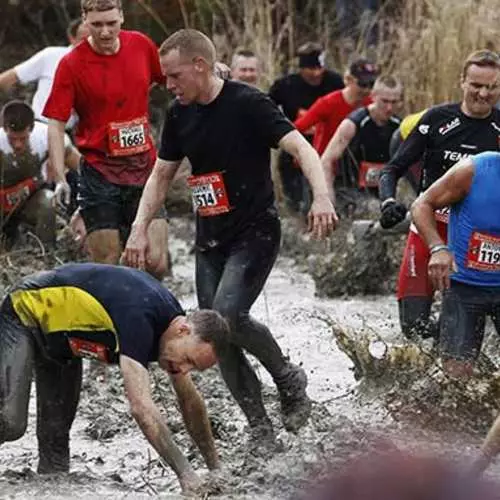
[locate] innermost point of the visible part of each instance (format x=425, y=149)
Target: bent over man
x=227, y=129
x=114, y=315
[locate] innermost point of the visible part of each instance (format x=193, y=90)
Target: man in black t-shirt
x=112, y=314
x=444, y=135
x=296, y=93
x=227, y=129
x=360, y=147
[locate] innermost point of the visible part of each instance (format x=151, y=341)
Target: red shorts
x=413, y=278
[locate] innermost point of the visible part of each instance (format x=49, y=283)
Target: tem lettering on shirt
x=484, y=252
x=209, y=194
x=129, y=138
x=85, y=349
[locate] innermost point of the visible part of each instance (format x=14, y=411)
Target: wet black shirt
x=371, y=142
x=443, y=136
x=228, y=144
x=293, y=93
x=122, y=309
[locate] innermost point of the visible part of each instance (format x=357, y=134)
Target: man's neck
x=350, y=96
x=466, y=111
x=211, y=90
x=108, y=52
x=376, y=115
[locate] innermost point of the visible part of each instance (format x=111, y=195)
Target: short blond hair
x=389, y=81
x=190, y=43
x=482, y=58
x=100, y=5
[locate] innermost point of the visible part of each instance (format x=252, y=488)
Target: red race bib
x=86, y=349
x=11, y=197
x=209, y=194
x=129, y=138
x=369, y=174
x=484, y=252
x=442, y=215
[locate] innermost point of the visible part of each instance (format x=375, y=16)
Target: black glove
x=393, y=213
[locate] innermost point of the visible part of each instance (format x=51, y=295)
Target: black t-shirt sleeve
x=266, y=118
x=408, y=153
x=275, y=92
x=170, y=145
x=357, y=116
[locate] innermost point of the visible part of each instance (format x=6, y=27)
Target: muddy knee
x=12, y=427
x=104, y=246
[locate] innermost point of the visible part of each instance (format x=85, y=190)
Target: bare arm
x=449, y=189
x=8, y=79
x=155, y=190
x=149, y=419
x=72, y=157
x=489, y=449
x=335, y=149
x=322, y=217
x=57, y=148
x=307, y=157
x=194, y=413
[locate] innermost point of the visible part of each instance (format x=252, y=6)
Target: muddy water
x=111, y=459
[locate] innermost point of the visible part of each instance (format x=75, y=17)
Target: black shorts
x=105, y=205
x=463, y=315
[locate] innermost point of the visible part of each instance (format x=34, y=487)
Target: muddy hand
x=136, y=248
x=322, y=218
x=441, y=265
x=62, y=193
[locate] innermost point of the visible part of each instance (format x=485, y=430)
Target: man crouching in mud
x=113, y=314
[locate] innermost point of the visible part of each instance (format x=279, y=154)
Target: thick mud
x=111, y=459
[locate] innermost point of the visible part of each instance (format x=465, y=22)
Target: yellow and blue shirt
x=80, y=306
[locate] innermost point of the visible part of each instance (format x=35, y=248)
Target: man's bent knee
x=12, y=427
x=104, y=246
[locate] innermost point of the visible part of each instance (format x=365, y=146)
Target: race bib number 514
x=209, y=194
x=484, y=252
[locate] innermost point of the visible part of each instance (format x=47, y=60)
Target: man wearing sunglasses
x=326, y=114
x=444, y=135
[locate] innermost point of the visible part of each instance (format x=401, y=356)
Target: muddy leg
x=17, y=352
x=58, y=392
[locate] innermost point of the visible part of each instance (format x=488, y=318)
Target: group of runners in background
x=334, y=133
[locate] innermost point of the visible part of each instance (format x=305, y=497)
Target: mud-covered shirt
x=95, y=310
x=443, y=136
x=228, y=144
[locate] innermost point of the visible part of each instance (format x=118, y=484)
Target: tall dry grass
x=429, y=41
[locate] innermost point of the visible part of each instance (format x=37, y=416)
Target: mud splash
x=111, y=459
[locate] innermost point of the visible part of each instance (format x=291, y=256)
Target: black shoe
x=295, y=403
x=263, y=442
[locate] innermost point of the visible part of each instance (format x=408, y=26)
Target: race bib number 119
x=484, y=252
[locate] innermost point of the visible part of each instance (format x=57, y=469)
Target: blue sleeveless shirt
x=474, y=227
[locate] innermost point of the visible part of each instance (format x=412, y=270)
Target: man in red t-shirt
x=106, y=80
x=326, y=114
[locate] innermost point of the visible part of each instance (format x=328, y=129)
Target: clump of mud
x=346, y=265
x=409, y=379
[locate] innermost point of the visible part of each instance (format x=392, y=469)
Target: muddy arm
x=148, y=417
x=194, y=413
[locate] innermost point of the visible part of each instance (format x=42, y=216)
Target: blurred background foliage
x=422, y=41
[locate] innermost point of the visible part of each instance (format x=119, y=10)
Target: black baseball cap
x=365, y=72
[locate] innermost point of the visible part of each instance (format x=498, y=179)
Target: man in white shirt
x=41, y=68
x=24, y=171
